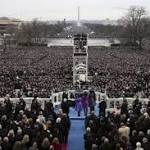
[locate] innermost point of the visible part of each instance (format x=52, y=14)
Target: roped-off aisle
x=76, y=140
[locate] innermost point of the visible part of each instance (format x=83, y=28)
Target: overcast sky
x=59, y=9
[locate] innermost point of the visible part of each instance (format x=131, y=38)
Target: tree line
x=135, y=26
x=132, y=29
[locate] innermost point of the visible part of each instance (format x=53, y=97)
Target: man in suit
x=102, y=106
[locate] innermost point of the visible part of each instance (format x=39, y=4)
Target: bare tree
x=136, y=24
x=24, y=34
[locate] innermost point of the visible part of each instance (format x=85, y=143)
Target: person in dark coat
x=124, y=107
x=134, y=139
x=65, y=106
x=8, y=106
x=35, y=105
x=58, y=130
x=146, y=144
x=20, y=105
x=106, y=145
x=49, y=106
x=89, y=139
x=102, y=107
x=92, y=99
x=65, y=95
x=92, y=117
x=6, y=145
x=45, y=144
x=137, y=105
x=65, y=122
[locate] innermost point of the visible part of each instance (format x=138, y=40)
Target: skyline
x=60, y=9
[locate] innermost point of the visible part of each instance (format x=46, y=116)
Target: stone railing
x=57, y=99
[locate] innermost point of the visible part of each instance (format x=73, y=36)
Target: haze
x=60, y=9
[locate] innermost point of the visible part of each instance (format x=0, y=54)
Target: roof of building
x=7, y=21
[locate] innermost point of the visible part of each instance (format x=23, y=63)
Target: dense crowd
x=121, y=71
x=125, y=128
x=24, y=127
x=35, y=70
x=40, y=70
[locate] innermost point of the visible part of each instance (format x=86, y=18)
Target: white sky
x=60, y=9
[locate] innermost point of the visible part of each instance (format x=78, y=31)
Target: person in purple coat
x=85, y=103
x=78, y=105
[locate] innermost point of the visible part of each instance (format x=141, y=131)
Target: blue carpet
x=76, y=141
x=73, y=113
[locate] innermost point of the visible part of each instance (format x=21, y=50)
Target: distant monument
x=78, y=23
x=77, y=28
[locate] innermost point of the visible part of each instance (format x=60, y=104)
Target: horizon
x=55, y=20
x=46, y=10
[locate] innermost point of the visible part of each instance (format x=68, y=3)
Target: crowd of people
x=31, y=127
x=37, y=71
x=125, y=128
x=40, y=70
x=121, y=71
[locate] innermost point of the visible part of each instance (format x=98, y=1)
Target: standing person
x=65, y=95
x=20, y=105
x=65, y=121
x=102, y=106
x=124, y=107
x=65, y=106
x=8, y=105
x=89, y=138
x=92, y=99
x=78, y=105
x=48, y=108
x=124, y=131
x=137, y=105
x=85, y=103
x=35, y=105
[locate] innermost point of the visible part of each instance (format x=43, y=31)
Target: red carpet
x=64, y=147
